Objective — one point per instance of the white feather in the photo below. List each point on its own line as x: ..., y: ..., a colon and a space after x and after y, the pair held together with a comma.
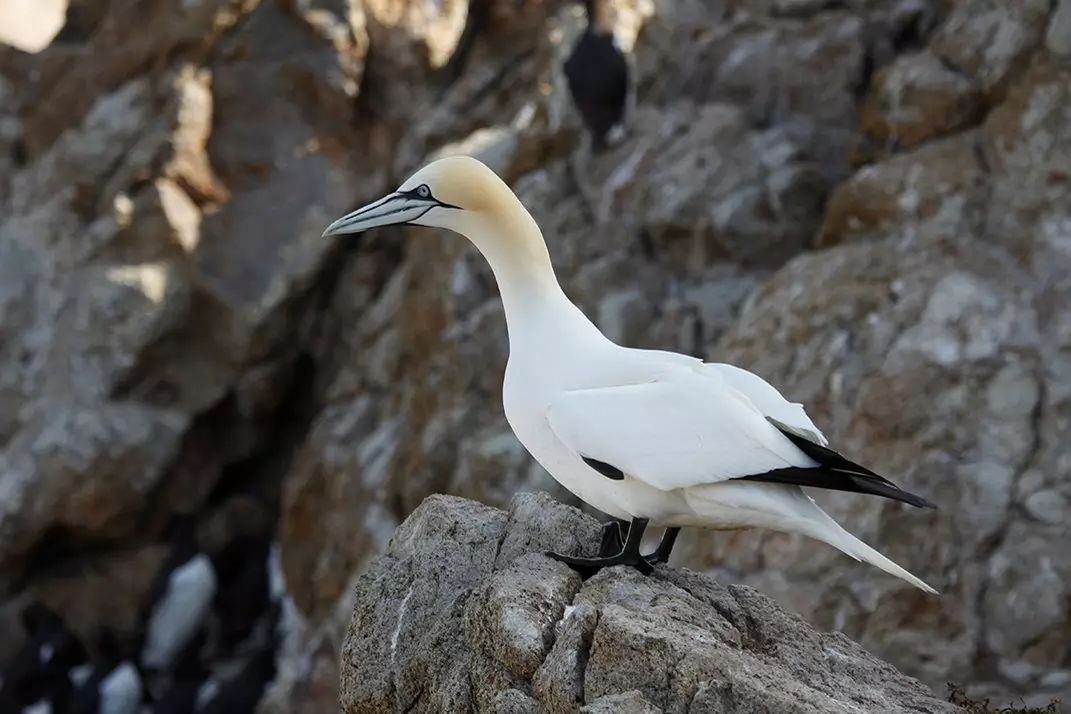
x: 206, y: 693
x: 179, y: 612
x: 80, y: 674
x: 769, y: 401
x: 682, y: 428
x: 276, y: 578
x: 120, y: 691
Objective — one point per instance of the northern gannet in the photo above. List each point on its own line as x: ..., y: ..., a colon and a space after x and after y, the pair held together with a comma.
x: 645, y: 436
x: 597, y: 74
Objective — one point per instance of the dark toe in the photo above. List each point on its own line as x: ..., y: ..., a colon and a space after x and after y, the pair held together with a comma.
x: 644, y: 566
x: 584, y: 570
x: 612, y: 541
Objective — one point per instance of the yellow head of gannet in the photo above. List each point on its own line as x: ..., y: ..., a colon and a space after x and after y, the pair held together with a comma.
x: 456, y: 192
x: 461, y: 194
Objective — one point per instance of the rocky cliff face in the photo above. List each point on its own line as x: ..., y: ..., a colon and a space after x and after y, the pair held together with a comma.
x: 868, y: 204
x: 464, y: 613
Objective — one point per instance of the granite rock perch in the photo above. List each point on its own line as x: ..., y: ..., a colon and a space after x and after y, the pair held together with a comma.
x: 464, y: 613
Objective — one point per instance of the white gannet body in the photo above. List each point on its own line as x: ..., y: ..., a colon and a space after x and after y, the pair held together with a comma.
x: 645, y: 436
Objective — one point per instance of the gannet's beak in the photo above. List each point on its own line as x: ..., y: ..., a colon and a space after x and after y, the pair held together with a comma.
x: 398, y: 208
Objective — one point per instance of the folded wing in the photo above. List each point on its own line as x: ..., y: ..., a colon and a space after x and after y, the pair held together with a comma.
x: 705, y: 425
x: 682, y: 428
x: 789, y: 415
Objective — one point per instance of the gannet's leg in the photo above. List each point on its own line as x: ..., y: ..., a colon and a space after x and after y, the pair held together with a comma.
x: 613, y: 542
x: 629, y: 555
x: 665, y: 546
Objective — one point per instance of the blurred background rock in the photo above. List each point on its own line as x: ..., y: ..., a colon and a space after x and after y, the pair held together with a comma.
x: 867, y: 202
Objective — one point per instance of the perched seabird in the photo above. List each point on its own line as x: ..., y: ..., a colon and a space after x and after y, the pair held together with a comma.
x: 188, y: 675
x: 597, y: 73
x: 37, y: 676
x: 600, y: 80
x: 55, y: 642
x: 243, y: 593
x: 181, y: 598
x: 111, y: 686
x: 645, y: 436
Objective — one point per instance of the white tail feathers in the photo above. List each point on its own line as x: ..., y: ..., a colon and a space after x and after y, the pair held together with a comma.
x: 827, y: 530
x: 861, y: 551
x: 788, y: 509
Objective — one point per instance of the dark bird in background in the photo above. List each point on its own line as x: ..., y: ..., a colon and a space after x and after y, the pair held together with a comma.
x: 39, y: 671
x: 179, y: 599
x: 110, y: 685
x: 244, y: 593
x: 205, y: 642
x: 187, y: 678
x: 597, y: 74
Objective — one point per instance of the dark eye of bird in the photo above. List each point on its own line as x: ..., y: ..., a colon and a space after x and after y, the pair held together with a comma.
x: 423, y: 191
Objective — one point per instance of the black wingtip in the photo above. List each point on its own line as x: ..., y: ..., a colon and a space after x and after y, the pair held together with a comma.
x: 839, y: 480
x: 911, y: 499
x: 878, y: 486
x: 853, y: 477
x: 881, y: 487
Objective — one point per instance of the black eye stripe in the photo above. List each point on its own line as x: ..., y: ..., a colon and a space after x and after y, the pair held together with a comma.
x: 423, y: 193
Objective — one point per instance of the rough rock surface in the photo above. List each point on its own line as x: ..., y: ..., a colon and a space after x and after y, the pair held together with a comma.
x: 465, y: 613
x: 868, y: 203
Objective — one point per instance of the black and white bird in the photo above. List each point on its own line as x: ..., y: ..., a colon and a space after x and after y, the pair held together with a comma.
x: 646, y: 436
x: 179, y: 600
x: 37, y: 675
x: 186, y: 679
x: 110, y: 685
x: 598, y: 77
x: 243, y: 593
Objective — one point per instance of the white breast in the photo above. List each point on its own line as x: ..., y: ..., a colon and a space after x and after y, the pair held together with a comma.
x: 525, y: 406
x: 120, y: 691
x: 180, y: 612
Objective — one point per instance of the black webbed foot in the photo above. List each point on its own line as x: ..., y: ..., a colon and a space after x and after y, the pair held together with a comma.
x: 587, y: 567
x: 665, y: 547
x: 629, y: 554
x: 613, y: 539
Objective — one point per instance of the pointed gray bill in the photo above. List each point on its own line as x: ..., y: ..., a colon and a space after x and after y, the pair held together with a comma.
x: 398, y: 208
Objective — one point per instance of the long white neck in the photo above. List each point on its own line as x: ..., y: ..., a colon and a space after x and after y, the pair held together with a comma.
x: 536, y: 308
